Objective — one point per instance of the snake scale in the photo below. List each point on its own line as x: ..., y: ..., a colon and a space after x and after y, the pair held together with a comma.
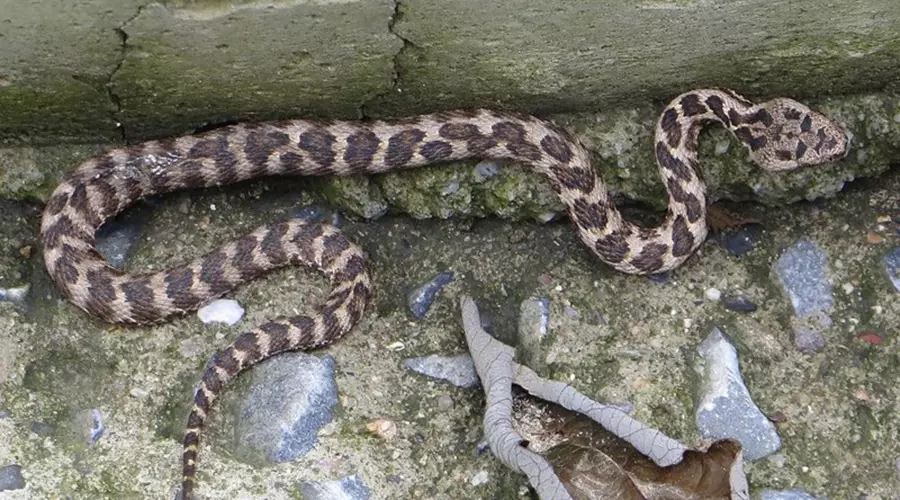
x: 780, y: 134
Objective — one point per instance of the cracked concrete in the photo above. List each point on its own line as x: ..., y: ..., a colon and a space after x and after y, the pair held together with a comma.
x: 56, y: 58
x: 397, y: 78
x: 113, y: 97
x: 192, y: 64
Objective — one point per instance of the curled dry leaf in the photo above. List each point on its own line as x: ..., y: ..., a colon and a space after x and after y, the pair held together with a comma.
x: 596, y: 464
x: 609, y: 455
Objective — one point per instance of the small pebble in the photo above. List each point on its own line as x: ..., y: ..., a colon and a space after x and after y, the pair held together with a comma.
x: 16, y: 294
x: 421, y: 298
x: 808, y: 330
x: 534, y: 320
x: 480, y: 478
x: 117, y: 236
x: 874, y: 238
x: 137, y: 392
x: 712, y: 294
x: 742, y: 240
x: 660, y: 278
x: 451, y: 188
x: 792, y: 494
x: 547, y: 217
x: 226, y: 311
x: 738, y: 303
x: 319, y: 213
x: 11, y: 478
x: 97, y: 427
x: 42, y: 429
x: 803, y: 272
x: 348, y: 488
x: 892, y: 266
x: 445, y: 402
x: 385, y: 429
x: 809, y: 341
x: 458, y: 370
x: 870, y: 337
x: 486, y: 170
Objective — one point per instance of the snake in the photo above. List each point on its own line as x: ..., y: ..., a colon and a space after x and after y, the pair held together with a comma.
x: 780, y: 134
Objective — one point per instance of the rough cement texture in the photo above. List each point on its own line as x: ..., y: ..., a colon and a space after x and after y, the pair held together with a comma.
x: 837, y: 410
x: 85, y: 70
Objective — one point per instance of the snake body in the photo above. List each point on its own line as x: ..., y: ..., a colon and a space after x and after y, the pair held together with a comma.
x: 780, y: 134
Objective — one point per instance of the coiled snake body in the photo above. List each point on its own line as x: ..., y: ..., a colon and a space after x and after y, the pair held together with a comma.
x: 780, y: 134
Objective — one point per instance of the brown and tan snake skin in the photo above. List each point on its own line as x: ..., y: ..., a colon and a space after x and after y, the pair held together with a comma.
x: 780, y: 134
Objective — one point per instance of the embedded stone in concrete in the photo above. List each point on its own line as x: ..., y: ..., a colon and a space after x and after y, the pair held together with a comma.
x: 291, y: 397
x: 725, y: 408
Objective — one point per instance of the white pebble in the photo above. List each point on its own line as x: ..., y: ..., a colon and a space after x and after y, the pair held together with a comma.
x: 480, y: 478
x: 221, y: 311
x: 137, y: 392
x: 848, y: 288
x: 713, y: 294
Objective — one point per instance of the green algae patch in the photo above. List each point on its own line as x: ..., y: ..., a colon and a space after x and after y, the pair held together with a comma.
x: 31, y: 173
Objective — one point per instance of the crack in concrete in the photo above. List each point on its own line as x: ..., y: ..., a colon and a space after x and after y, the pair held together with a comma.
x: 396, y: 75
x: 110, y: 92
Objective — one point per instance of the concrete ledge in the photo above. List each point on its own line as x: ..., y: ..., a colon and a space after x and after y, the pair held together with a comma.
x: 113, y: 70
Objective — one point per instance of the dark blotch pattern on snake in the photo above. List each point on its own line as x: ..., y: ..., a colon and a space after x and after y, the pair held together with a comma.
x: 780, y: 134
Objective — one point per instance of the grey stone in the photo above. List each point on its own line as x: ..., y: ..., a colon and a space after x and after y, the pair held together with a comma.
x: 792, y: 494
x: 421, y: 298
x: 11, y: 478
x: 116, y: 237
x: 458, y: 370
x: 319, y: 213
x: 97, y: 427
x: 348, y: 488
x: 892, y: 267
x: 742, y: 240
x: 534, y: 320
x: 803, y: 271
x: 486, y: 170
x: 291, y: 397
x: 725, y: 408
x: 739, y: 303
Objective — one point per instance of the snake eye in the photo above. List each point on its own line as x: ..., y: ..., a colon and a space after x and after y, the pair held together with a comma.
x: 806, y: 124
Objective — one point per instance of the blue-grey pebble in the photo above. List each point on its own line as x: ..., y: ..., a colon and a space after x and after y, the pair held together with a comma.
x: 739, y: 303
x: 803, y: 272
x: 347, y: 488
x: 725, y: 408
x: 459, y: 370
x: 291, y: 397
x: 792, y: 494
x: 487, y: 169
x: 316, y: 212
x: 892, y: 266
x: 742, y: 240
x: 11, y: 478
x: 421, y: 298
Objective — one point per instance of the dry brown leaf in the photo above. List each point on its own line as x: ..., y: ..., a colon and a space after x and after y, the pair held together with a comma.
x: 596, y: 464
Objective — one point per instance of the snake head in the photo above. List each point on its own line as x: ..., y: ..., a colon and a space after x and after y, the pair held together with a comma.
x: 783, y: 134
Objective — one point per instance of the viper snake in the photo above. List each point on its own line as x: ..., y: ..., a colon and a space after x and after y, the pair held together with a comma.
x: 780, y: 134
